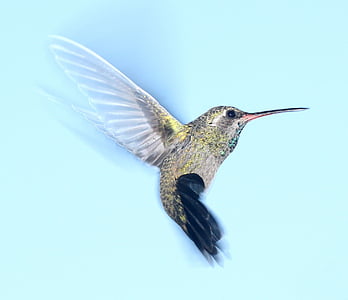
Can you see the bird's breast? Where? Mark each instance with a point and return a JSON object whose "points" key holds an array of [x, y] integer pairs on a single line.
{"points": [[195, 155]]}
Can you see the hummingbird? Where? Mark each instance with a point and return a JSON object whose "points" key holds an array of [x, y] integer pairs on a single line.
{"points": [[187, 155]]}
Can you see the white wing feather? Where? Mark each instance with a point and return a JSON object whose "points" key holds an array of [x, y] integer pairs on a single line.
{"points": [[119, 108]]}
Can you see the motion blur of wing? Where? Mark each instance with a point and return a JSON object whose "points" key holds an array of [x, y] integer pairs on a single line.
{"points": [[118, 107]]}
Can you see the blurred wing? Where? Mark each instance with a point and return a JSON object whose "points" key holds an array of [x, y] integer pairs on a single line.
{"points": [[199, 224], [118, 107]]}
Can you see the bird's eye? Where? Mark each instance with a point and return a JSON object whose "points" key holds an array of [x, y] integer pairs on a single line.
{"points": [[231, 113]]}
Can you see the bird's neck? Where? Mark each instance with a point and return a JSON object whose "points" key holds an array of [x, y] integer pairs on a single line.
{"points": [[231, 142]]}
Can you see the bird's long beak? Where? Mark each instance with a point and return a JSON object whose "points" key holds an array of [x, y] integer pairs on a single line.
{"points": [[252, 116]]}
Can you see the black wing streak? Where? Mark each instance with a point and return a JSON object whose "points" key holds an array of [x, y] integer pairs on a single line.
{"points": [[202, 228]]}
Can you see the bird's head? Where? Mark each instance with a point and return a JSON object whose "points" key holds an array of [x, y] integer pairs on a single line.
{"points": [[232, 120]]}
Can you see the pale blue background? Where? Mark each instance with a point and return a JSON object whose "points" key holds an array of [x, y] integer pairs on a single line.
{"points": [[81, 218]]}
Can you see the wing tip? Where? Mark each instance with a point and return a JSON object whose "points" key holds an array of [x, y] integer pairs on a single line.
{"points": [[57, 40], [60, 38]]}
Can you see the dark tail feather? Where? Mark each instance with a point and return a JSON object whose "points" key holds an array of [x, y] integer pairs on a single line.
{"points": [[202, 227]]}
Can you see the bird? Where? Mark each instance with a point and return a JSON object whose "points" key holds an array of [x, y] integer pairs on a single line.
{"points": [[187, 155]]}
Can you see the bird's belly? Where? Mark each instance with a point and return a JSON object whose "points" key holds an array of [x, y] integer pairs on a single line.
{"points": [[201, 162]]}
